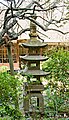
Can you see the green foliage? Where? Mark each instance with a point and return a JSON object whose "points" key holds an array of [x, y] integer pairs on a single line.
{"points": [[10, 91], [57, 83], [56, 92], [58, 65]]}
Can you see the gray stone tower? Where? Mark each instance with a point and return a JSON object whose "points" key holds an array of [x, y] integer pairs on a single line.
{"points": [[34, 86]]}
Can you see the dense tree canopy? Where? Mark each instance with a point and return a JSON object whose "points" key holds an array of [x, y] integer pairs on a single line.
{"points": [[52, 14]]}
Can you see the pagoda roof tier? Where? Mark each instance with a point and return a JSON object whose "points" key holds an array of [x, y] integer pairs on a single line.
{"points": [[35, 73], [34, 58], [34, 45]]}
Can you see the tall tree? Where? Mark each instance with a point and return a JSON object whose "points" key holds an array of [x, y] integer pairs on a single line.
{"points": [[51, 13]]}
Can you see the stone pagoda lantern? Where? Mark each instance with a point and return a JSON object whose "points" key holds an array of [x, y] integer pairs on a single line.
{"points": [[32, 59]]}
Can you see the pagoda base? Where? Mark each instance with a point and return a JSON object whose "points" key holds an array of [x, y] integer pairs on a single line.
{"points": [[34, 87], [40, 102], [34, 91]]}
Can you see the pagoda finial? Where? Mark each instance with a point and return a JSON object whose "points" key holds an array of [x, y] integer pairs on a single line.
{"points": [[33, 34]]}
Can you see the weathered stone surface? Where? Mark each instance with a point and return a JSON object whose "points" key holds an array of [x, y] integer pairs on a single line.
{"points": [[35, 73], [34, 57], [39, 45], [34, 88]]}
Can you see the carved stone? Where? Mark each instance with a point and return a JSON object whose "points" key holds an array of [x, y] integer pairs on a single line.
{"points": [[32, 60]]}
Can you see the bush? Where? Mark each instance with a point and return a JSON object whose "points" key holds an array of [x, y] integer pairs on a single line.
{"points": [[10, 91], [57, 83]]}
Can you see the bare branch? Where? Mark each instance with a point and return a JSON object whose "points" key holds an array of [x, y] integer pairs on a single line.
{"points": [[58, 31], [4, 4], [45, 2], [2, 10], [5, 19], [40, 38], [43, 34], [37, 23], [23, 30], [20, 2], [15, 11]]}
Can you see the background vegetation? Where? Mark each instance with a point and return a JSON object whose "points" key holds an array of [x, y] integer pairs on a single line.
{"points": [[10, 96], [57, 83], [56, 93]]}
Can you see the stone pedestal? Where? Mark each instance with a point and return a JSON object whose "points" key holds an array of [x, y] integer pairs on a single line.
{"points": [[34, 91]]}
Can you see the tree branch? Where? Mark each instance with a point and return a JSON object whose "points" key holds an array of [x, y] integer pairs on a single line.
{"points": [[58, 31], [4, 4]]}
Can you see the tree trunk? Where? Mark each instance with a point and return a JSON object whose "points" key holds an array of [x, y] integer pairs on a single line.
{"points": [[10, 60], [12, 72]]}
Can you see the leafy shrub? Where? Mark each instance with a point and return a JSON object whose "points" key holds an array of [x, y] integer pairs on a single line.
{"points": [[57, 83], [10, 91]]}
